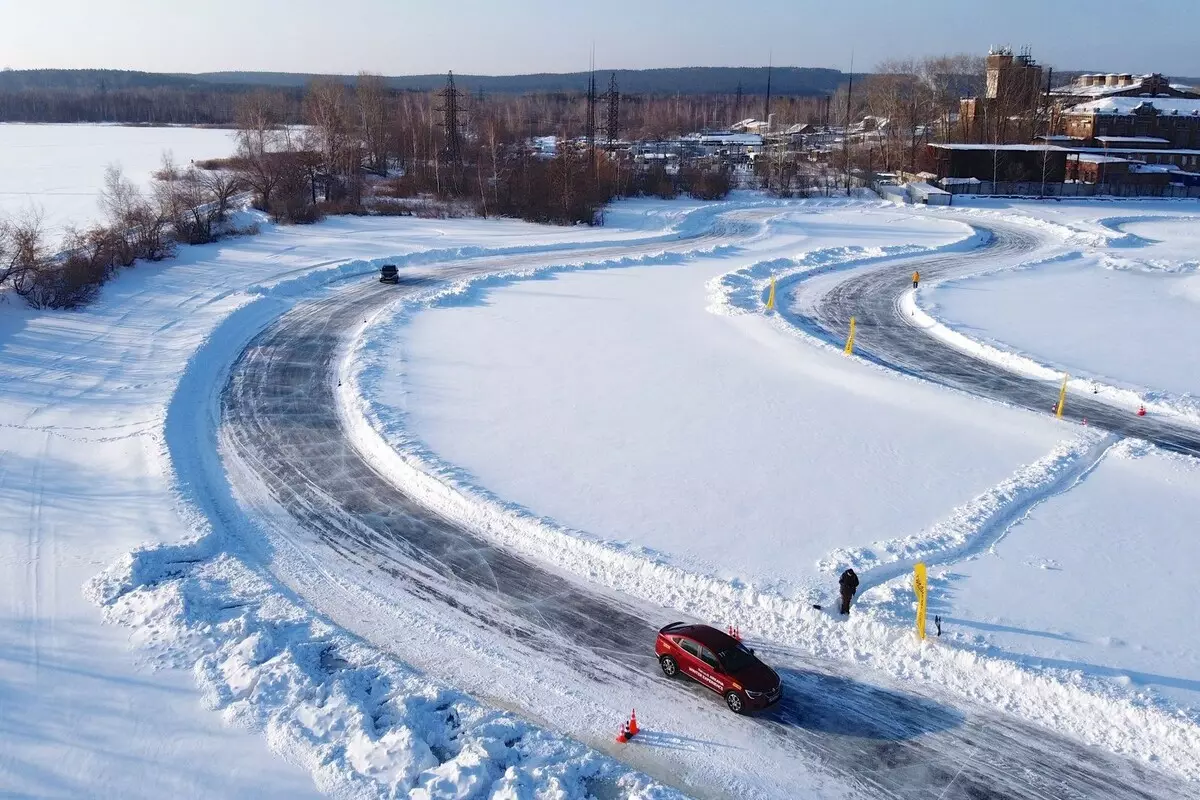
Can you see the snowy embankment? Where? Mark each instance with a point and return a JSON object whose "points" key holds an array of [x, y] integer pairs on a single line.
{"points": [[110, 437], [607, 424], [361, 723], [1112, 311]]}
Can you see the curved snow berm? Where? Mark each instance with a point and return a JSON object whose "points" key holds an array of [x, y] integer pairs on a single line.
{"points": [[1060, 700], [1083, 328], [364, 723]]}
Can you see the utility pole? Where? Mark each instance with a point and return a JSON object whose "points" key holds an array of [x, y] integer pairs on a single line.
{"points": [[1049, 128], [590, 122], [846, 130], [737, 104], [767, 106]]}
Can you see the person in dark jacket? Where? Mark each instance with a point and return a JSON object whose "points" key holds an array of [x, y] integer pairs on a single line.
{"points": [[849, 585]]}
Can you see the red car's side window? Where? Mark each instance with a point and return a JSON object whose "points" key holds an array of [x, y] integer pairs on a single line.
{"points": [[689, 646], [707, 657]]}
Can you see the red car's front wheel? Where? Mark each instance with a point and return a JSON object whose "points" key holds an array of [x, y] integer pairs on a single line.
{"points": [[735, 702], [670, 666]]}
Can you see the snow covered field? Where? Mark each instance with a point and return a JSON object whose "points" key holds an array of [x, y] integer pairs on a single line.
{"points": [[1036, 595], [633, 421], [60, 168]]}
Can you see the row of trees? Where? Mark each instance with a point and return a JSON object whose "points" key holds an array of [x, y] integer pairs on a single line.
{"points": [[189, 206], [409, 146]]}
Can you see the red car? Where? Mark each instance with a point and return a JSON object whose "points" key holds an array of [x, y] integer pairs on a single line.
{"points": [[720, 662]]}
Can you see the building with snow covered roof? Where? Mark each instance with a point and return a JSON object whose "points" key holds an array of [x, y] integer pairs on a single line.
{"points": [[1100, 86], [1168, 122], [1006, 162]]}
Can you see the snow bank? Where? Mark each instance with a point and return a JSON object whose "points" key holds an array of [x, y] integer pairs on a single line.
{"points": [[744, 290], [360, 722], [971, 528]]}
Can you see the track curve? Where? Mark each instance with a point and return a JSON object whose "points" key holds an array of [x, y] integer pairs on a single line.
{"points": [[278, 414], [889, 338]]}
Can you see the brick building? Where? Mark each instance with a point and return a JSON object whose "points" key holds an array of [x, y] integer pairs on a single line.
{"points": [[1174, 120], [1010, 102], [1006, 162]]}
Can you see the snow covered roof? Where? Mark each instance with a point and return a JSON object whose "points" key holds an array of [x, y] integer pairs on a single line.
{"points": [[1132, 140], [1135, 150], [747, 139], [1096, 158], [1099, 90], [922, 186], [959, 181], [1127, 105], [1155, 168], [1001, 147]]}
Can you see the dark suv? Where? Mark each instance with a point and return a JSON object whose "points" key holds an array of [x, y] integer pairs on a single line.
{"points": [[389, 274], [720, 662]]}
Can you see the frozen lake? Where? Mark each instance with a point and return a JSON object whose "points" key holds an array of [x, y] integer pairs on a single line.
{"points": [[60, 168]]}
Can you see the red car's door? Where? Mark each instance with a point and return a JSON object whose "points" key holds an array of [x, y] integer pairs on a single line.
{"points": [[715, 678], [698, 662]]}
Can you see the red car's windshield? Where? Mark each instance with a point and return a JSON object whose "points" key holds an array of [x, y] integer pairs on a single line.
{"points": [[736, 659]]}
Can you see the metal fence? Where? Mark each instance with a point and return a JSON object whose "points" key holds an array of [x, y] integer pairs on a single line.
{"points": [[1038, 189]]}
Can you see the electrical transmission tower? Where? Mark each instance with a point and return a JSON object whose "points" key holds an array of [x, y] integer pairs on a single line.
{"points": [[737, 104], [612, 130], [450, 121]]}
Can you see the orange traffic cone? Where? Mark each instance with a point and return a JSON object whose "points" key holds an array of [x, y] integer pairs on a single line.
{"points": [[1141, 411], [737, 633], [633, 726], [623, 734]]}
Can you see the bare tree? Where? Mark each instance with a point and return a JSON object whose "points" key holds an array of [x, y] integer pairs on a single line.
{"points": [[222, 186], [374, 120], [134, 218], [22, 251], [261, 135], [330, 126]]}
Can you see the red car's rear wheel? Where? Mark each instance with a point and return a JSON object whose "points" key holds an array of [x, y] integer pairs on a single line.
{"points": [[670, 666]]}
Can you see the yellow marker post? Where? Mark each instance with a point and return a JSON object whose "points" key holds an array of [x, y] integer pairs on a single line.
{"points": [[1062, 398], [921, 588], [771, 296], [850, 339]]}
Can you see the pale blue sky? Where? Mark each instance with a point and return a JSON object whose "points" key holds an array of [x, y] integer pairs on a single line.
{"points": [[513, 36]]}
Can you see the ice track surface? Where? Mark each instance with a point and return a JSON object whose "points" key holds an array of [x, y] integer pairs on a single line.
{"points": [[279, 417]]}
